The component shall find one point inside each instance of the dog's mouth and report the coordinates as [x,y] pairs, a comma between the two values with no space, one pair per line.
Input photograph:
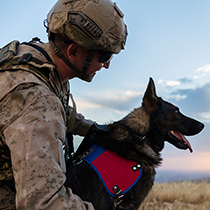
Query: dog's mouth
[179,140]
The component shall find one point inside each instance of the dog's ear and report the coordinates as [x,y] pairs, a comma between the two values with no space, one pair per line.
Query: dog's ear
[150,98]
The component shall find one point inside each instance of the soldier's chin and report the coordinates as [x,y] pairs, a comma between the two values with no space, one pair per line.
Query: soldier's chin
[91,77]
[88,78]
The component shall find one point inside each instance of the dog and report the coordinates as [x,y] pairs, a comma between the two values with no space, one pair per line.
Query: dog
[138,137]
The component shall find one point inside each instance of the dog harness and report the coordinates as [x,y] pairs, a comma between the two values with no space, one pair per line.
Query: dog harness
[118,175]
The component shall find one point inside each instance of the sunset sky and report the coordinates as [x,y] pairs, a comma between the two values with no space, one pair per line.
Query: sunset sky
[168,41]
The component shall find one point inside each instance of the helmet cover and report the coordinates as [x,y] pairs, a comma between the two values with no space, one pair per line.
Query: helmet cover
[92,24]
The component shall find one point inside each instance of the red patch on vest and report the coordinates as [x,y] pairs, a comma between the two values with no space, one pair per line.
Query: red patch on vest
[113,169]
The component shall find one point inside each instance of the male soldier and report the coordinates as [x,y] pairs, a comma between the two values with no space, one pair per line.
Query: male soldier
[34,111]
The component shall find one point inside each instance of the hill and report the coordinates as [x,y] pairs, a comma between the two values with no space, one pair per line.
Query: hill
[163,176]
[182,195]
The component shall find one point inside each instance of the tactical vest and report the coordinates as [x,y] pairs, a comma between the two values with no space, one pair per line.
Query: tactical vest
[45,72]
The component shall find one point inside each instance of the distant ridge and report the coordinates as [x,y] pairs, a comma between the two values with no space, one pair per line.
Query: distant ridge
[174,176]
[201,180]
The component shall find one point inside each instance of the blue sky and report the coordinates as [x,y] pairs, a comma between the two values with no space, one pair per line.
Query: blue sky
[169,40]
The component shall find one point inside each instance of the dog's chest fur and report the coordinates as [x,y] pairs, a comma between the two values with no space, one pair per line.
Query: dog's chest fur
[127,138]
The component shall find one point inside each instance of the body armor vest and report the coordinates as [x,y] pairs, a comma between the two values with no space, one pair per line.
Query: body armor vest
[45,71]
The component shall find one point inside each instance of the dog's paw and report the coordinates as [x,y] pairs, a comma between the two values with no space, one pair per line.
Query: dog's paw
[126,207]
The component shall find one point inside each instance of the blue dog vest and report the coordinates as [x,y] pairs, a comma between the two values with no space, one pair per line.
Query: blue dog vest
[114,170]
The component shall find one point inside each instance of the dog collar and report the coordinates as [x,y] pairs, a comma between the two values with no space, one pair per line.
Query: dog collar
[118,175]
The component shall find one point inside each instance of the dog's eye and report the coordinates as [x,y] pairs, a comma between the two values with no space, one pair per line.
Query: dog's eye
[176,111]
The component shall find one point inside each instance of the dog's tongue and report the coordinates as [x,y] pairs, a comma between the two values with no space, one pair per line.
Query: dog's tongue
[182,137]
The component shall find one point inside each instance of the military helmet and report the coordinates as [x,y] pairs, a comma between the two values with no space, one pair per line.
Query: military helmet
[92,24]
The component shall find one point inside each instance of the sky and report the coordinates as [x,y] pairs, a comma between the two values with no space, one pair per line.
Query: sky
[169,40]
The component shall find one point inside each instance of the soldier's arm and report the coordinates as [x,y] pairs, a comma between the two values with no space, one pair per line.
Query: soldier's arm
[34,130]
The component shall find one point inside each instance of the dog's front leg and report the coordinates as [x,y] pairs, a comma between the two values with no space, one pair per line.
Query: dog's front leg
[127,203]
[126,207]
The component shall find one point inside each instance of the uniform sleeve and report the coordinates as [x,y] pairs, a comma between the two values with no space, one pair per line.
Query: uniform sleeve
[32,121]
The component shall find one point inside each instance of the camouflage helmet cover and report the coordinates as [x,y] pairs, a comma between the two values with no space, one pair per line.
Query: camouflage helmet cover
[93,24]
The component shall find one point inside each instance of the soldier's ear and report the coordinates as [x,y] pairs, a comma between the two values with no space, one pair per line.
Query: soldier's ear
[72,51]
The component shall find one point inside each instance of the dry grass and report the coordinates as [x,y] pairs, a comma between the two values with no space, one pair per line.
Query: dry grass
[185,195]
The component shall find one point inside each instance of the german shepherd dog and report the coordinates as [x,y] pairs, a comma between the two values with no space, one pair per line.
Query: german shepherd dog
[139,136]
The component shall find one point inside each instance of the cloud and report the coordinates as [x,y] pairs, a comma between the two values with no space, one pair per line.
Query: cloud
[172,83]
[83,104]
[178,97]
[205,116]
[107,107]
[205,70]
[121,101]
[185,80]
[195,101]
[160,81]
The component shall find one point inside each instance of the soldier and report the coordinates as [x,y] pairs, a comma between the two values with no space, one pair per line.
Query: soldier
[34,112]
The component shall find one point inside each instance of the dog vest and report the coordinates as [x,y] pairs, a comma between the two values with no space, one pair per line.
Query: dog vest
[118,175]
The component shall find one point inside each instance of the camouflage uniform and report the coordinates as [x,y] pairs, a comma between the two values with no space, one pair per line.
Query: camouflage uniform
[32,116]
[33,126]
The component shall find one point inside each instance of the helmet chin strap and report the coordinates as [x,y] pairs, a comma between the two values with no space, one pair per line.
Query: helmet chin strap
[82,74]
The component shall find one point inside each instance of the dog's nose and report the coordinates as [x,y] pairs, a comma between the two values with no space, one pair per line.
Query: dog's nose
[201,126]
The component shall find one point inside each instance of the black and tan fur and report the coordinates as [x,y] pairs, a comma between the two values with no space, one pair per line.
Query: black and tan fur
[139,136]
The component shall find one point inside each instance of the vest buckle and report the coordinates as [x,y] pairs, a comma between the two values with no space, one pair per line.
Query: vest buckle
[118,193]
[25,58]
